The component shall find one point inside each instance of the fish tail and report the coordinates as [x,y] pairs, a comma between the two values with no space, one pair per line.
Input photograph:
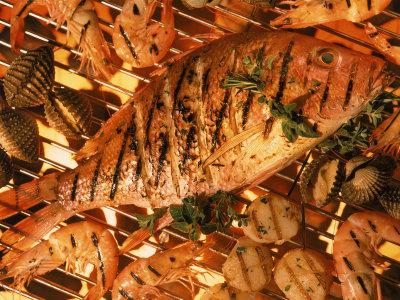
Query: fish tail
[27,195]
[27,232]
[140,235]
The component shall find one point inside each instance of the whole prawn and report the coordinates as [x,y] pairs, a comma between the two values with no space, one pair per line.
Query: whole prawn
[141,278]
[82,23]
[138,42]
[76,244]
[353,252]
[314,12]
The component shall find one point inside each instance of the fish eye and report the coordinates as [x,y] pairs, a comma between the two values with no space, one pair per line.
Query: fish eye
[326,57]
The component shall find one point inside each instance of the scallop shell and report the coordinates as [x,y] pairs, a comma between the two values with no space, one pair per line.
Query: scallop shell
[309,177]
[19,135]
[367,180]
[390,200]
[30,78]
[69,113]
[6,169]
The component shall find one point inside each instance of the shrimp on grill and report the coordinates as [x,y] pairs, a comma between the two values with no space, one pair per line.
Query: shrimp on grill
[353,252]
[141,278]
[82,23]
[314,12]
[138,42]
[76,244]
[392,53]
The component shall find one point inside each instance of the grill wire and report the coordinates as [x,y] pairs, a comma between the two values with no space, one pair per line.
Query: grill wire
[318,225]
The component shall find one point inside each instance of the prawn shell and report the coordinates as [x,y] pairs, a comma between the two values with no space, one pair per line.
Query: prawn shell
[30,77]
[19,135]
[6,169]
[309,177]
[390,199]
[68,113]
[366,180]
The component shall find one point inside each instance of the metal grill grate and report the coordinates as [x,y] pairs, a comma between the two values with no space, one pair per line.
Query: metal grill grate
[319,225]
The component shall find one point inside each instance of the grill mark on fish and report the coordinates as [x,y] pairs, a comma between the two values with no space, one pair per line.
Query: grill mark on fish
[220,118]
[152,269]
[29,2]
[204,81]
[74,187]
[308,64]
[189,141]
[95,242]
[268,126]
[137,279]
[179,85]
[284,71]
[350,85]
[293,278]
[246,109]
[373,226]
[93,183]
[132,132]
[348,263]
[277,226]
[117,171]
[124,294]
[73,241]
[262,260]
[244,269]
[369,4]
[362,284]
[138,168]
[131,47]
[325,95]
[163,155]
[355,239]
[348,3]
[150,120]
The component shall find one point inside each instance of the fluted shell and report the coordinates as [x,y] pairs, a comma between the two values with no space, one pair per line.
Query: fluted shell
[19,135]
[30,78]
[69,113]
[365,181]
[6,169]
[390,199]
[321,180]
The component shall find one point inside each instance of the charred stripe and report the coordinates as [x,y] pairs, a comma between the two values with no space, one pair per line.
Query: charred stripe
[355,239]
[150,120]
[348,263]
[204,84]
[137,279]
[74,187]
[275,221]
[256,224]
[189,141]
[268,126]
[369,4]
[373,226]
[293,278]
[152,269]
[163,155]
[348,3]
[95,242]
[362,284]
[262,260]
[138,168]
[73,241]
[128,43]
[220,118]
[125,294]
[154,48]
[284,71]
[179,85]
[325,95]
[315,270]
[93,183]
[132,132]
[244,268]
[350,85]
[246,109]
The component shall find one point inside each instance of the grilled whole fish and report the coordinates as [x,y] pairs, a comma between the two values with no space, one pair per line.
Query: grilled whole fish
[184,134]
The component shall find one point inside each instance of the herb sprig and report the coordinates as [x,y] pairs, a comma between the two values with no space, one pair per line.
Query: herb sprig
[148,221]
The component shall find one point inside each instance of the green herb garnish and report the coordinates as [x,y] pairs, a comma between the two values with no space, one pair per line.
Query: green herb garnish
[287,287]
[148,221]
[240,250]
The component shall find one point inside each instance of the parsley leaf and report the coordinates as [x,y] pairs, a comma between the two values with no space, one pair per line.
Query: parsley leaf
[148,221]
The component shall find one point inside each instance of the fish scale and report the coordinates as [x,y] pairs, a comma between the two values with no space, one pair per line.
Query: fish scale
[150,173]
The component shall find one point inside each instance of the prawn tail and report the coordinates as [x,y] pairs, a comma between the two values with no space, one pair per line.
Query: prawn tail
[27,195]
[27,232]
[140,235]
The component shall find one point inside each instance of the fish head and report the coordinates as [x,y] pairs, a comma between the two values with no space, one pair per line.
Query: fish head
[338,82]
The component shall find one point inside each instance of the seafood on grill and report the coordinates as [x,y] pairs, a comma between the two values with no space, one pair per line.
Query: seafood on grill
[390,199]
[141,278]
[6,168]
[355,252]
[136,40]
[392,53]
[152,152]
[77,245]
[200,3]
[68,112]
[304,274]
[82,24]
[272,219]
[321,180]
[314,12]
[366,178]
[222,291]
[248,266]
[29,78]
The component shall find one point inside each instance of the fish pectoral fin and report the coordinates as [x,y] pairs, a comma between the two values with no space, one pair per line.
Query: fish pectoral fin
[233,142]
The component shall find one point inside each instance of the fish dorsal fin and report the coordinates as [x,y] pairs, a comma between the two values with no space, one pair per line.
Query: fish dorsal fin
[96,144]
[233,142]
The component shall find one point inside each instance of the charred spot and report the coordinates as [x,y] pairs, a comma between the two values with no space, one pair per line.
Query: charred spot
[191,76]
[154,48]
[125,294]
[137,279]
[372,225]
[362,284]
[136,11]
[369,4]
[132,132]
[95,240]
[348,2]
[51,251]
[153,270]
[33,260]
[73,241]
[93,183]
[163,155]
[74,187]
[354,237]
[159,105]
[172,259]
[138,168]
[204,85]
[373,34]
[268,126]
[189,141]
[119,130]
[348,263]
[287,21]
[328,4]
